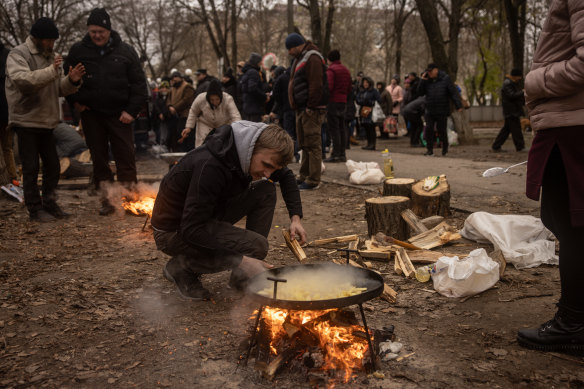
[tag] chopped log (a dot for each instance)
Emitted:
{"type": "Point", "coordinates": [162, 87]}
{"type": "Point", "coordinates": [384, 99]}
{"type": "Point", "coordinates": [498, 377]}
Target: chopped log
{"type": "Point", "coordinates": [380, 255]}
{"type": "Point", "coordinates": [396, 266]}
{"type": "Point", "coordinates": [414, 223]}
{"type": "Point", "coordinates": [408, 267]}
{"type": "Point", "coordinates": [438, 236]}
{"type": "Point", "coordinates": [404, 263]}
{"type": "Point", "coordinates": [290, 329]}
{"type": "Point", "coordinates": [338, 239]}
{"type": "Point", "coordinates": [434, 202]}
{"type": "Point", "coordinates": [294, 246]}
{"type": "Point", "coordinates": [398, 187]}
{"type": "Point", "coordinates": [432, 221]}
{"type": "Point", "coordinates": [388, 294]}
{"type": "Point", "coordinates": [383, 215]}
{"type": "Point", "coordinates": [427, 256]}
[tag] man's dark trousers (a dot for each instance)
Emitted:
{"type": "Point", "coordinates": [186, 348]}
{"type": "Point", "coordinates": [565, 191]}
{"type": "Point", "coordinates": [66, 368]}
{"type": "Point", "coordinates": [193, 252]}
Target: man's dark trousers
{"type": "Point", "coordinates": [101, 130]}
{"type": "Point", "coordinates": [512, 126]}
{"type": "Point", "coordinates": [335, 117]}
{"type": "Point", "coordinates": [257, 203]}
{"type": "Point", "coordinates": [437, 122]}
{"type": "Point", "coordinates": [32, 143]}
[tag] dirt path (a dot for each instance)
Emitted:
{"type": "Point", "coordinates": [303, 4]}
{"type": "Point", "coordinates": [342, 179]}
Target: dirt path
{"type": "Point", "coordinates": [83, 304]}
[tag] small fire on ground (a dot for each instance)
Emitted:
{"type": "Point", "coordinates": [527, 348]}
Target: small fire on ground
{"type": "Point", "coordinates": [328, 340]}
{"type": "Point", "coordinates": [139, 204]}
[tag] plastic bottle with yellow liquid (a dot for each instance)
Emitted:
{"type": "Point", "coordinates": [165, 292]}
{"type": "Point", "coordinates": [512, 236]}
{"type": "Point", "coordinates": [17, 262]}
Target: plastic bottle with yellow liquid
{"type": "Point", "coordinates": [387, 164]}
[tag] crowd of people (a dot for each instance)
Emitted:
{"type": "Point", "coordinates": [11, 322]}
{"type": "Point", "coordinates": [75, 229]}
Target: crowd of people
{"type": "Point", "coordinates": [232, 170]}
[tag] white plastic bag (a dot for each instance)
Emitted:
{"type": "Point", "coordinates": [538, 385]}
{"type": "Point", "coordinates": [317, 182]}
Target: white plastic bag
{"type": "Point", "coordinates": [454, 277]}
{"type": "Point", "coordinates": [367, 177]}
{"type": "Point", "coordinates": [523, 239]}
{"type": "Point", "coordinates": [378, 115]}
{"type": "Point", "coordinates": [353, 166]}
{"type": "Point", "coordinates": [452, 137]}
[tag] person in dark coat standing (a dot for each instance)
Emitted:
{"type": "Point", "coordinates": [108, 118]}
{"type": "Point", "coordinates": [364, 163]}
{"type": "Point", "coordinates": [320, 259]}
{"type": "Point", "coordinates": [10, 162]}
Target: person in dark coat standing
{"type": "Point", "coordinates": [439, 90]}
{"type": "Point", "coordinates": [339, 84]}
{"type": "Point", "coordinates": [112, 95]}
{"type": "Point", "coordinates": [281, 109]}
{"type": "Point", "coordinates": [308, 94]}
{"type": "Point", "coordinates": [203, 81]}
{"type": "Point", "coordinates": [229, 84]}
{"type": "Point", "coordinates": [513, 102]}
{"type": "Point", "coordinates": [366, 99]}
{"type": "Point", "coordinates": [413, 110]}
{"type": "Point", "coordinates": [253, 89]}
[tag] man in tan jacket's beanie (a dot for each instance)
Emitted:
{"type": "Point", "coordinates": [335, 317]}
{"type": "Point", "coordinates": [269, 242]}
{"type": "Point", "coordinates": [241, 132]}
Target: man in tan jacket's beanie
{"type": "Point", "coordinates": [554, 91]}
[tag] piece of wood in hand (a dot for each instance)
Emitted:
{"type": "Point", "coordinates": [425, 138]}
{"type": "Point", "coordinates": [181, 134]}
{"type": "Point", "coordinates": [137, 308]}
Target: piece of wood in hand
{"type": "Point", "coordinates": [294, 246]}
{"type": "Point", "coordinates": [398, 187]}
{"type": "Point", "coordinates": [438, 236]}
{"type": "Point", "coordinates": [383, 214]}
{"type": "Point", "coordinates": [434, 202]}
{"type": "Point", "coordinates": [414, 223]}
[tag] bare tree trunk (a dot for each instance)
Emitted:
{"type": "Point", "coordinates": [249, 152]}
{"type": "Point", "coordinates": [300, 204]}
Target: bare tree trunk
{"type": "Point", "coordinates": [233, 34]}
{"type": "Point", "coordinates": [328, 27]}
{"type": "Point", "coordinates": [315, 23]}
{"type": "Point", "coordinates": [429, 16]}
{"type": "Point", "coordinates": [290, 16]}
{"type": "Point", "coordinates": [454, 23]}
{"type": "Point", "coordinates": [515, 11]}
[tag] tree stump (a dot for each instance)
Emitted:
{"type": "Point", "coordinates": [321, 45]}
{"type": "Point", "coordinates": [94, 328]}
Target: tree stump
{"type": "Point", "coordinates": [398, 187]}
{"type": "Point", "coordinates": [434, 202]}
{"type": "Point", "coordinates": [383, 214]}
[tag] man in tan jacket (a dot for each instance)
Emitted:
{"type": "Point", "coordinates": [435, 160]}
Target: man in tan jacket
{"type": "Point", "coordinates": [179, 100]}
{"type": "Point", "coordinates": [34, 82]}
{"type": "Point", "coordinates": [554, 93]}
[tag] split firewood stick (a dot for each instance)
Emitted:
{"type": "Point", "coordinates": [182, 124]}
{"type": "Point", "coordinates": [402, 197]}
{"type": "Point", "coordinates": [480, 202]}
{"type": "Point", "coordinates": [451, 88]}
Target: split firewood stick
{"type": "Point", "coordinates": [405, 260]}
{"type": "Point", "coordinates": [338, 239]}
{"type": "Point", "coordinates": [396, 265]}
{"type": "Point", "coordinates": [388, 294]}
{"type": "Point", "coordinates": [294, 246]}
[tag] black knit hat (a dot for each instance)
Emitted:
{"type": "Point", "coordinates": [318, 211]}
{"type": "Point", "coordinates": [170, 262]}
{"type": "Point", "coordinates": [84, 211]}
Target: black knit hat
{"type": "Point", "coordinates": [516, 72]}
{"type": "Point", "coordinates": [99, 17]}
{"type": "Point", "coordinates": [44, 28]}
{"type": "Point", "coordinates": [214, 89]}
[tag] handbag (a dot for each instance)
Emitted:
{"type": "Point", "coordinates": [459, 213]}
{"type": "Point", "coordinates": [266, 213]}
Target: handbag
{"type": "Point", "coordinates": [365, 111]}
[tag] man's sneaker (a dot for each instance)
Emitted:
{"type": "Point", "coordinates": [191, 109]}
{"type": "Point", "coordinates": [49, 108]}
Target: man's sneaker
{"type": "Point", "coordinates": [559, 334]}
{"type": "Point", "coordinates": [428, 153]}
{"type": "Point", "coordinates": [106, 208]}
{"type": "Point", "coordinates": [306, 186]}
{"type": "Point", "coordinates": [299, 181]}
{"type": "Point", "coordinates": [444, 153]}
{"type": "Point", "coordinates": [497, 150]}
{"type": "Point", "coordinates": [187, 284]}
{"type": "Point", "coordinates": [56, 211]}
{"type": "Point", "coordinates": [41, 216]}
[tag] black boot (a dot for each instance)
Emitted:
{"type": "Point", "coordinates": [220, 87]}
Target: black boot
{"type": "Point", "coordinates": [187, 283]}
{"type": "Point", "coordinates": [561, 334]}
{"type": "Point", "coordinates": [53, 208]}
{"type": "Point", "coordinates": [106, 208]}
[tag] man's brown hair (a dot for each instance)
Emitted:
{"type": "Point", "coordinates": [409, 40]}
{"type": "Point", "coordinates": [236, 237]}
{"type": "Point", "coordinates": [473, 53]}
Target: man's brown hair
{"type": "Point", "coordinates": [273, 137]}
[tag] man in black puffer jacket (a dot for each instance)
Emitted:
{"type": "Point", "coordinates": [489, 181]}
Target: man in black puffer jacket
{"type": "Point", "coordinates": [230, 176]}
{"type": "Point", "coordinates": [439, 90]}
{"type": "Point", "coordinates": [253, 89]}
{"type": "Point", "coordinates": [513, 102]}
{"type": "Point", "coordinates": [113, 93]}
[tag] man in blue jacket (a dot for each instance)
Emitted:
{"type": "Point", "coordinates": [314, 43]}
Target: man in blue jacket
{"type": "Point", "coordinates": [214, 186]}
{"type": "Point", "coordinates": [439, 90]}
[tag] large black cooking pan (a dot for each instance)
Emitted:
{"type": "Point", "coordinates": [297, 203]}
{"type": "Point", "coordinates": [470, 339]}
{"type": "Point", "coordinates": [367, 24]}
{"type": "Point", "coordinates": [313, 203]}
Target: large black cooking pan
{"type": "Point", "coordinates": [361, 278]}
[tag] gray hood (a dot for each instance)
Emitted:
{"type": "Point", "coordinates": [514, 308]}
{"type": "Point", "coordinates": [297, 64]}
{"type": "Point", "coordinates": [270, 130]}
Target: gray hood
{"type": "Point", "coordinates": [245, 135]}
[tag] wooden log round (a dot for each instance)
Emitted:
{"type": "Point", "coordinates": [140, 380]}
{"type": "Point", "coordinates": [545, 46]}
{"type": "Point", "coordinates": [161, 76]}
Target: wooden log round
{"type": "Point", "coordinates": [383, 214]}
{"type": "Point", "coordinates": [398, 187]}
{"type": "Point", "coordinates": [434, 202]}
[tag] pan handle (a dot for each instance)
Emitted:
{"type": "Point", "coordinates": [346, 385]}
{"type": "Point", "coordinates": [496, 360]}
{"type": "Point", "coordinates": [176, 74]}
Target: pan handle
{"type": "Point", "coordinates": [276, 280]}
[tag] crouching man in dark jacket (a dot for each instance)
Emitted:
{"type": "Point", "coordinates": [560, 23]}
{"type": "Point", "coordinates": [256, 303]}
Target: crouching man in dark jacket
{"type": "Point", "coordinates": [214, 186]}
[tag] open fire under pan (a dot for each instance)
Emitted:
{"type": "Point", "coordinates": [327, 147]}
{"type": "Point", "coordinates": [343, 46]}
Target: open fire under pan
{"type": "Point", "coordinates": [362, 278]}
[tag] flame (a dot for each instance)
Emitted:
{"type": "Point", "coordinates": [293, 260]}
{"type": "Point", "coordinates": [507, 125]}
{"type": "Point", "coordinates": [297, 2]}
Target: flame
{"type": "Point", "coordinates": [343, 351]}
{"type": "Point", "coordinates": [142, 206]}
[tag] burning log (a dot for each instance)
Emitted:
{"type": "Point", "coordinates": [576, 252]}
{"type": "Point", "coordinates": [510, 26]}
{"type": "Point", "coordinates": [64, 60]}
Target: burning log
{"type": "Point", "coordinates": [294, 246]}
{"type": "Point", "coordinates": [141, 206]}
